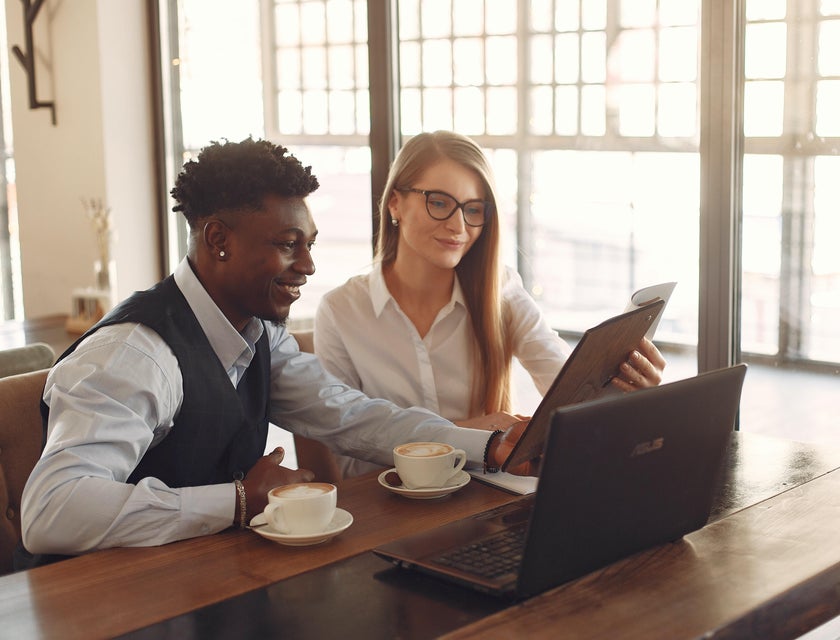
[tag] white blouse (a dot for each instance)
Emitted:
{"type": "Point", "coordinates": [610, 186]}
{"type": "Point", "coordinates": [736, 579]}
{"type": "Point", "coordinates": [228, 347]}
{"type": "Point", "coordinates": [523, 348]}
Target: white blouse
{"type": "Point", "coordinates": [364, 338]}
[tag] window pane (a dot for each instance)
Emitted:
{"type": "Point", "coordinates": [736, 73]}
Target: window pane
{"type": "Point", "coordinates": [466, 17]}
{"type": "Point", "coordinates": [824, 342]}
{"type": "Point", "coordinates": [566, 52]}
{"type": "Point", "coordinates": [765, 50]}
{"type": "Point", "coordinates": [763, 108]}
{"type": "Point", "coordinates": [340, 22]}
{"type": "Point", "coordinates": [761, 253]}
{"type": "Point", "coordinates": [501, 111]}
{"type": "Point", "coordinates": [501, 16]}
{"type": "Point", "coordinates": [468, 62]}
{"type": "Point", "coordinates": [828, 108]}
{"type": "Point", "coordinates": [678, 54]}
{"type": "Point", "coordinates": [766, 9]}
{"type": "Point", "coordinates": [501, 61]}
{"type": "Point", "coordinates": [435, 19]}
{"type": "Point", "coordinates": [566, 109]}
{"type": "Point", "coordinates": [540, 115]}
{"type": "Point", "coordinates": [636, 111]}
{"type": "Point", "coordinates": [469, 111]}
{"type": "Point", "coordinates": [594, 57]}
{"type": "Point", "coordinates": [437, 63]}
{"type": "Point", "coordinates": [541, 60]}
{"type": "Point", "coordinates": [437, 109]}
{"type": "Point", "coordinates": [829, 55]}
{"type": "Point", "coordinates": [593, 118]}
{"type": "Point", "coordinates": [634, 55]}
{"type": "Point", "coordinates": [677, 111]}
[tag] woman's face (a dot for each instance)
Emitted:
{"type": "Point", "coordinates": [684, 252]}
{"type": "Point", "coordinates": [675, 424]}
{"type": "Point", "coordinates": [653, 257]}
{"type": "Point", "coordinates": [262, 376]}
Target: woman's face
{"type": "Point", "coordinates": [440, 243]}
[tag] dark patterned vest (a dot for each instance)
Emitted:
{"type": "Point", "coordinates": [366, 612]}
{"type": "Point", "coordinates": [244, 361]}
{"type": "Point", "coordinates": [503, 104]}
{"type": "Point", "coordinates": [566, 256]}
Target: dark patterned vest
{"type": "Point", "coordinates": [220, 432]}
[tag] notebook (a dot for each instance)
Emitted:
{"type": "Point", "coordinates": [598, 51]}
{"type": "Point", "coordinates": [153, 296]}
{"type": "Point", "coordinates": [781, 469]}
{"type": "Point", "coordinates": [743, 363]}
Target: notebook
{"type": "Point", "coordinates": [618, 475]}
{"type": "Point", "coordinates": [587, 373]}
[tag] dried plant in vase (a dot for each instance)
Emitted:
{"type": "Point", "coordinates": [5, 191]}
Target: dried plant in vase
{"type": "Point", "coordinates": [100, 218]}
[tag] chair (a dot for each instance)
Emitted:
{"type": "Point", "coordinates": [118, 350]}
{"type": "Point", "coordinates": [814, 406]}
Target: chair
{"type": "Point", "coordinates": [20, 448]}
{"type": "Point", "coordinates": [30, 357]}
{"type": "Point", "coordinates": [312, 454]}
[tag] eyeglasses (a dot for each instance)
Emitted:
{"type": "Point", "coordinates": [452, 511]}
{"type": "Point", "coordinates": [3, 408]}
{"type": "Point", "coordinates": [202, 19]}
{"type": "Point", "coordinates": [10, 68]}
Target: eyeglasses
{"type": "Point", "coordinates": [441, 206]}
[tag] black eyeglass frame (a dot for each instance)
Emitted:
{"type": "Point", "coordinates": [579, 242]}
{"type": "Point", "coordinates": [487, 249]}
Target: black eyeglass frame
{"type": "Point", "coordinates": [489, 207]}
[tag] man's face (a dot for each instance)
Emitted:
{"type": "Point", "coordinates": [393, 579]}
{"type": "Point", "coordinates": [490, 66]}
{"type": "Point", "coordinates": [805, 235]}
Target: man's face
{"type": "Point", "coordinates": [268, 260]}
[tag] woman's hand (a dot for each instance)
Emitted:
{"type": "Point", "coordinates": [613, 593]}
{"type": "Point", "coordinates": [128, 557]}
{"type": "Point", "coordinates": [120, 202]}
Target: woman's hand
{"type": "Point", "coordinates": [642, 369]}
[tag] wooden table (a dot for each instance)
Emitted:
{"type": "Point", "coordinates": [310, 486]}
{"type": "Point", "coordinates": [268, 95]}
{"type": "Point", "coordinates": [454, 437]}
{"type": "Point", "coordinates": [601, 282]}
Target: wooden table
{"type": "Point", "coordinates": [768, 570]}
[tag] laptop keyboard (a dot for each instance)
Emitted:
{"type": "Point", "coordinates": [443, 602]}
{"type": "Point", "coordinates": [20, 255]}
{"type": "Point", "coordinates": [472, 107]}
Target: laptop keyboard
{"type": "Point", "coordinates": [489, 557]}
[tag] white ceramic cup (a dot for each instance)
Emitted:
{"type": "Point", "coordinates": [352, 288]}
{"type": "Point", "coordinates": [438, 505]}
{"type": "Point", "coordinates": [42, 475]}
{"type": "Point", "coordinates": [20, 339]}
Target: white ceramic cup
{"type": "Point", "coordinates": [301, 508]}
{"type": "Point", "coordinates": [427, 465]}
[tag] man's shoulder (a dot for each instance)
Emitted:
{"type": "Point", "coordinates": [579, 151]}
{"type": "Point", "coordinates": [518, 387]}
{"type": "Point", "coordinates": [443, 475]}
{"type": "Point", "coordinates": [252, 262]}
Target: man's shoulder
{"type": "Point", "coordinates": [124, 335]}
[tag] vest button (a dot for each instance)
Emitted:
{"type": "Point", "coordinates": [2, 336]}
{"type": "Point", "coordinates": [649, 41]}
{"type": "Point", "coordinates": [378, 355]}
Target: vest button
{"type": "Point", "coordinates": [10, 513]}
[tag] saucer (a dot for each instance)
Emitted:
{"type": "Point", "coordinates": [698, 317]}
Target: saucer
{"type": "Point", "coordinates": [459, 480]}
{"type": "Point", "coordinates": [341, 520]}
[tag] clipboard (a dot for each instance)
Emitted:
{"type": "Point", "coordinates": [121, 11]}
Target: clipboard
{"type": "Point", "coordinates": [586, 374]}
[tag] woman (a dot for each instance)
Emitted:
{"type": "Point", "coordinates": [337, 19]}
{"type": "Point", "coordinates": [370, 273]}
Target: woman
{"type": "Point", "coordinates": [437, 321]}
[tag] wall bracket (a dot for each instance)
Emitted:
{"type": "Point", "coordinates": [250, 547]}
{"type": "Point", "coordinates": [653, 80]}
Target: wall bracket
{"type": "Point", "coordinates": [27, 60]}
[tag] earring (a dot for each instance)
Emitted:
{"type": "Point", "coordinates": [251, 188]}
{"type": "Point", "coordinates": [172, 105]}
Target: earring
{"type": "Point", "coordinates": [222, 254]}
{"type": "Point", "coordinates": [395, 222]}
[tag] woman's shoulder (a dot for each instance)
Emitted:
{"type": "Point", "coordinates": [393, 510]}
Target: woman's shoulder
{"type": "Point", "coordinates": [349, 290]}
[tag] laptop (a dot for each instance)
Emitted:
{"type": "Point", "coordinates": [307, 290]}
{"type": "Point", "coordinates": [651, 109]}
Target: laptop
{"type": "Point", "coordinates": [618, 475]}
{"type": "Point", "coordinates": [587, 373]}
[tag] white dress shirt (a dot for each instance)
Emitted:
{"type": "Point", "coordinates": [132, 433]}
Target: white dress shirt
{"type": "Point", "coordinates": [363, 337]}
{"type": "Point", "coordinates": [118, 394]}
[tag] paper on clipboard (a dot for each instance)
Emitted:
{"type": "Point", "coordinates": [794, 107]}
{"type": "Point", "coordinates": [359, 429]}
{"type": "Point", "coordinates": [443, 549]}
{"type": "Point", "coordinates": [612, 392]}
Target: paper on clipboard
{"type": "Point", "coordinates": [647, 295]}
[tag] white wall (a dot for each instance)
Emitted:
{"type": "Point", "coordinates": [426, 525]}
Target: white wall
{"type": "Point", "coordinates": [93, 61]}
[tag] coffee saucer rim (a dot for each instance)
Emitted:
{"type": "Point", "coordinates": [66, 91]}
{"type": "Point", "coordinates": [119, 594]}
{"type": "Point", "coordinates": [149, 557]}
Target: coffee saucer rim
{"type": "Point", "coordinates": [341, 520]}
{"type": "Point", "coordinates": [462, 478]}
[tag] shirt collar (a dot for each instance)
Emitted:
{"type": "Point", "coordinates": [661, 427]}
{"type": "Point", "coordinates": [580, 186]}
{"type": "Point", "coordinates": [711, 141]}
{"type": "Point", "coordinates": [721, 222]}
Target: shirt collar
{"type": "Point", "coordinates": [226, 341]}
{"type": "Point", "coordinates": [379, 294]}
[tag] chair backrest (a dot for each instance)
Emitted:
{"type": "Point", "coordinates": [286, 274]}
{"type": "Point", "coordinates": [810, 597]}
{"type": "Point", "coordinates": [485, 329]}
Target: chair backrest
{"type": "Point", "coordinates": [30, 357]}
{"type": "Point", "coordinates": [312, 454]}
{"type": "Point", "coordinates": [20, 448]}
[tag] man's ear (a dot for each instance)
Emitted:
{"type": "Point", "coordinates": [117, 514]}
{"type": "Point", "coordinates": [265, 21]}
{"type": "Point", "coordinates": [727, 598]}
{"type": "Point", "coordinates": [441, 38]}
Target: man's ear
{"type": "Point", "coordinates": [215, 238]}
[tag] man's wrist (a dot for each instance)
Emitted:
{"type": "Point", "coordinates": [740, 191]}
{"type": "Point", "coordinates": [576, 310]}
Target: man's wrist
{"type": "Point", "coordinates": [241, 511]}
{"type": "Point", "coordinates": [491, 465]}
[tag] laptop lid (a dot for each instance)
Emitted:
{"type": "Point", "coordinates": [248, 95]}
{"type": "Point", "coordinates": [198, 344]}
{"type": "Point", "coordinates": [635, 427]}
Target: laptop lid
{"type": "Point", "coordinates": [618, 475]}
{"type": "Point", "coordinates": [586, 374]}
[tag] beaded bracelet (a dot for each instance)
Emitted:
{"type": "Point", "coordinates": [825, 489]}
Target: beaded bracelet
{"type": "Point", "coordinates": [488, 468]}
{"type": "Point", "coordinates": [243, 505]}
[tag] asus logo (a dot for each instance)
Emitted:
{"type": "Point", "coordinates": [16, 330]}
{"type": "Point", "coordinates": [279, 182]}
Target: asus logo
{"type": "Point", "coordinates": [647, 447]}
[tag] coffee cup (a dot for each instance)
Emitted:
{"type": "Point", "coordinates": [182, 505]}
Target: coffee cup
{"type": "Point", "coordinates": [301, 508]}
{"type": "Point", "coordinates": [427, 465]}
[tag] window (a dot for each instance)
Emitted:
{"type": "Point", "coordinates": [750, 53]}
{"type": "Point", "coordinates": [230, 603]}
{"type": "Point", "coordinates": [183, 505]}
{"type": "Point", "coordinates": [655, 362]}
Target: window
{"type": "Point", "coordinates": [11, 305]}
{"type": "Point", "coordinates": [593, 115]}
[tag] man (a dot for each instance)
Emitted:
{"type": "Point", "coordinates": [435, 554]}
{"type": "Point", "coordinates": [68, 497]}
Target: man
{"type": "Point", "coordinates": [156, 419]}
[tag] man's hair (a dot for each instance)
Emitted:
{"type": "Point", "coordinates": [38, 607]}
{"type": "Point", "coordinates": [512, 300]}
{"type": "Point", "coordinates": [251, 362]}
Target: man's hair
{"type": "Point", "coordinates": [236, 176]}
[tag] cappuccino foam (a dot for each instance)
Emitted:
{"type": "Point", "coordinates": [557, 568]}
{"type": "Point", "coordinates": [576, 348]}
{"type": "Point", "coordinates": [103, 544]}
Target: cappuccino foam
{"type": "Point", "coordinates": [423, 449]}
{"type": "Point", "coordinates": [302, 490]}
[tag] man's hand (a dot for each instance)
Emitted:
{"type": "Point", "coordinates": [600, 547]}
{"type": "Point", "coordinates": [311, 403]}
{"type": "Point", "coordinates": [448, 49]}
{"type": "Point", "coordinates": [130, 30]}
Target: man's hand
{"type": "Point", "coordinates": [491, 422]}
{"type": "Point", "coordinates": [264, 476]}
{"type": "Point", "coordinates": [642, 369]}
{"type": "Point", "coordinates": [501, 447]}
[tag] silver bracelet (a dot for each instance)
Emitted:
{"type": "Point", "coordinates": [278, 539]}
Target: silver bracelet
{"type": "Point", "coordinates": [243, 504]}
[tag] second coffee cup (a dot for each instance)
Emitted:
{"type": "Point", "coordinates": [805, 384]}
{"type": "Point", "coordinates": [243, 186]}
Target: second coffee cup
{"type": "Point", "coordinates": [427, 465]}
{"type": "Point", "coordinates": [301, 508]}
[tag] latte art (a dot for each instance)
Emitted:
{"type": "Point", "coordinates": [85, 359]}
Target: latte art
{"type": "Point", "coordinates": [423, 449]}
{"type": "Point", "coordinates": [304, 490]}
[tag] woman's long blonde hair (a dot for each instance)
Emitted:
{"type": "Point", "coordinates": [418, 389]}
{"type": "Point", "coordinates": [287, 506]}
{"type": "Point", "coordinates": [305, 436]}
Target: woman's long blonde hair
{"type": "Point", "coordinates": [479, 271]}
